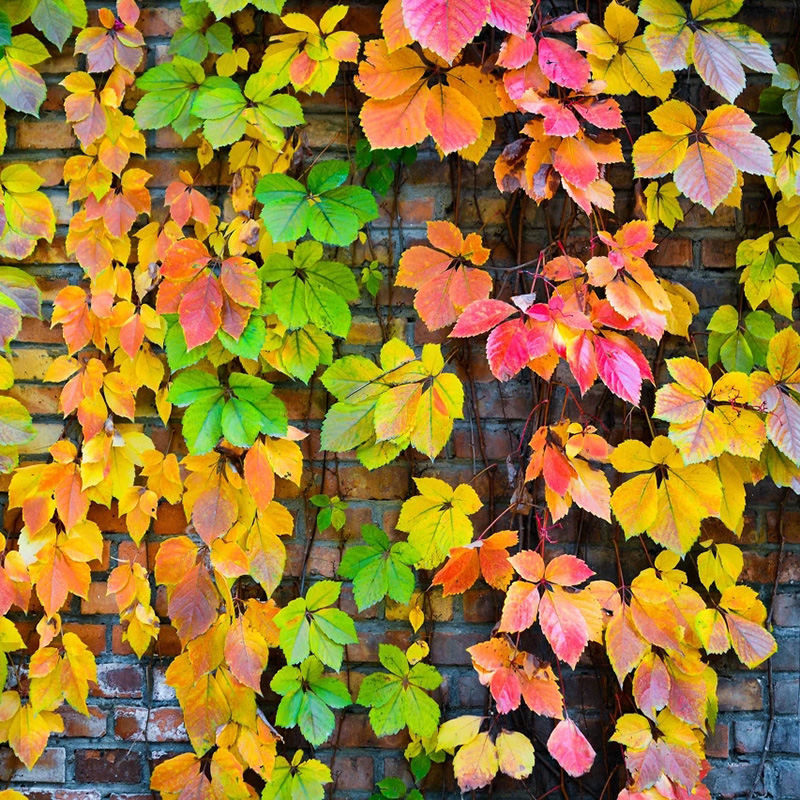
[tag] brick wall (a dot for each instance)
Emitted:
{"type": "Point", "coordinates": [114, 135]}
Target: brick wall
{"type": "Point", "coordinates": [134, 717]}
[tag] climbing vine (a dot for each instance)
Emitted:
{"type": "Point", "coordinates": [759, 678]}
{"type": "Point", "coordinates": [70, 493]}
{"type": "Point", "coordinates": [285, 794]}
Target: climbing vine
{"type": "Point", "coordinates": [193, 313]}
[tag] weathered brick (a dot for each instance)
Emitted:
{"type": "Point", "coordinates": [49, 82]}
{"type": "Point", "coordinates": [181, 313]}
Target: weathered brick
{"type": "Point", "coordinates": [50, 768]}
{"type": "Point", "coordinates": [138, 724]}
{"type": "Point", "coordinates": [119, 680]}
{"type": "Point", "coordinates": [108, 766]}
{"type": "Point", "coordinates": [740, 694]}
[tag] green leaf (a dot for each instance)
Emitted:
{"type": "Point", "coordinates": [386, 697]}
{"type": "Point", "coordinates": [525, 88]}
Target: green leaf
{"type": "Point", "coordinates": [192, 385]}
{"type": "Point", "coordinates": [394, 659]}
{"type": "Point", "coordinates": [327, 175]}
{"type": "Point", "coordinates": [332, 213]}
{"type": "Point", "coordinates": [257, 393]}
{"type": "Point", "coordinates": [286, 680]}
{"type": "Point", "coordinates": [286, 212]}
{"type": "Point", "coordinates": [241, 422]}
{"type": "Point", "coordinates": [304, 350]}
{"type": "Point", "coordinates": [220, 38]}
{"type": "Point", "coordinates": [220, 103]}
{"type": "Point", "coordinates": [170, 90]}
{"type": "Point", "coordinates": [398, 699]}
{"type": "Point", "coordinates": [178, 357]}
{"type": "Point", "coordinates": [300, 780]}
{"type": "Point", "coordinates": [316, 719]}
{"type": "Point", "coordinates": [189, 43]}
{"type": "Point", "coordinates": [321, 594]}
{"type": "Point", "coordinates": [377, 570]}
{"type": "Point", "coordinates": [5, 29]}
{"type": "Point", "coordinates": [392, 788]}
{"type": "Point", "coordinates": [724, 320]}
{"type": "Point", "coordinates": [27, 49]}
{"type": "Point", "coordinates": [420, 766]}
{"type": "Point", "coordinates": [202, 424]}
{"type": "Point", "coordinates": [249, 344]}
{"type": "Point", "coordinates": [421, 712]}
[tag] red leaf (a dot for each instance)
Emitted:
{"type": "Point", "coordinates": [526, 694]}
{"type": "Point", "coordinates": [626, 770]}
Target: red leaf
{"type": "Point", "coordinates": [200, 310]}
{"type": "Point", "coordinates": [563, 625]}
{"type": "Point", "coordinates": [481, 316]}
{"type": "Point", "coordinates": [507, 349]}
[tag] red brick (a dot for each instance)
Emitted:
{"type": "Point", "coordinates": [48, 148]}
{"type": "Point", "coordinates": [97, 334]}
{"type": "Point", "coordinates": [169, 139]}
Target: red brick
{"type": "Point", "coordinates": [140, 724]}
{"type": "Point", "coordinates": [108, 766]}
{"type": "Point", "coordinates": [98, 601]}
{"type": "Point", "coordinates": [76, 724]}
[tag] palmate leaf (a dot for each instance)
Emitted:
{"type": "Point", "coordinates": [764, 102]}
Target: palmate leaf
{"type": "Point", "coordinates": [705, 167]}
{"type": "Point", "coordinates": [309, 626]}
{"type": "Point", "coordinates": [300, 780]}
{"type": "Point", "coordinates": [307, 698]}
{"type": "Point", "coordinates": [708, 418]}
{"type": "Point", "coordinates": [378, 569]}
{"type": "Point", "coordinates": [437, 519]}
{"type": "Point", "coordinates": [384, 409]}
{"type": "Point", "coordinates": [307, 289]}
{"type": "Point", "coordinates": [226, 110]}
{"type": "Point", "coordinates": [330, 212]}
{"type": "Point", "coordinates": [169, 93]}
{"type": "Point", "coordinates": [240, 414]}
{"type": "Point", "coordinates": [719, 50]}
{"type": "Point", "coordinates": [671, 509]}
{"type": "Point", "coordinates": [399, 697]}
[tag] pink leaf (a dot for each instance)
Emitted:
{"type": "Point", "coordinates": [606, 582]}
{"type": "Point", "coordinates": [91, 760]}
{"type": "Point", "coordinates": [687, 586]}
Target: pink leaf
{"type": "Point", "coordinates": [567, 23]}
{"type": "Point", "coordinates": [563, 64]}
{"type": "Point", "coordinates": [445, 26]}
{"type": "Point", "coordinates": [510, 16]}
{"type": "Point", "coordinates": [570, 748]}
{"type": "Point", "coordinates": [619, 370]}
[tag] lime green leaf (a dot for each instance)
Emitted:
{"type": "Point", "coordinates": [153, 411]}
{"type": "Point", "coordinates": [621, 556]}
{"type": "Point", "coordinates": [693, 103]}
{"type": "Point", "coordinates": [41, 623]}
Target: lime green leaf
{"type": "Point", "coordinates": [170, 90]}
{"type": "Point", "coordinates": [378, 569]}
{"type": "Point", "coordinates": [332, 213]}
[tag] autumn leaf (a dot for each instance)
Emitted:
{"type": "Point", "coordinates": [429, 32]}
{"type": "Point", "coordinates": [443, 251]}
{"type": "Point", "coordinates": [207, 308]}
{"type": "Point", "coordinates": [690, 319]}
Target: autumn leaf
{"type": "Point", "coordinates": [621, 58]}
{"type": "Point", "coordinates": [704, 170]}
{"type": "Point", "coordinates": [513, 675]}
{"type": "Point", "coordinates": [445, 285]}
{"type": "Point", "coordinates": [708, 418]}
{"type": "Point", "coordinates": [719, 50]}
{"type": "Point", "coordinates": [775, 391]}
{"type": "Point", "coordinates": [484, 557]}
{"type": "Point", "coordinates": [671, 509]}
{"type": "Point", "coordinates": [570, 748]}
{"type": "Point", "coordinates": [563, 454]}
